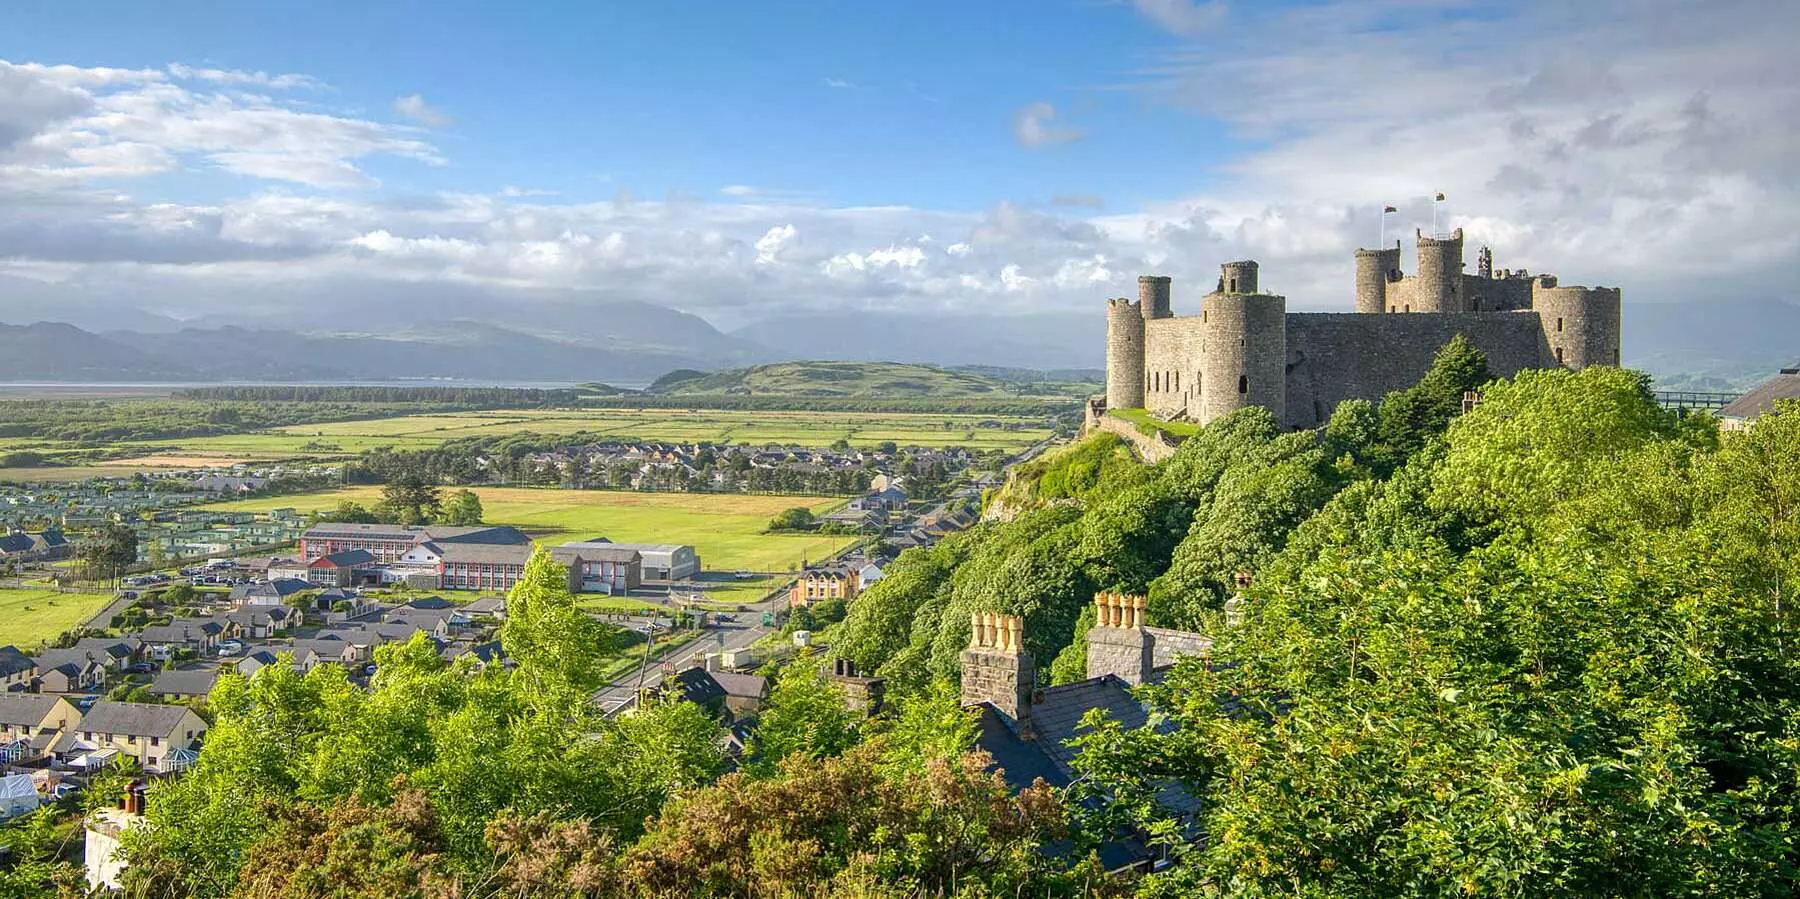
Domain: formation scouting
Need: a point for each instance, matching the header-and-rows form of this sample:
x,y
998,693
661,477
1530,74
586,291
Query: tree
x,y
798,518
109,550
350,512
1412,416
463,509
806,716
559,649
409,500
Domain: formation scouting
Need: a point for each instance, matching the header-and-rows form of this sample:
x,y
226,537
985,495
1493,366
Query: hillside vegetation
x,y
855,379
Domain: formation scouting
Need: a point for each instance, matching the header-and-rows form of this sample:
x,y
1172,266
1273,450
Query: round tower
x,y
1245,358
1238,277
1375,269
1153,295
1581,324
1439,283
1124,354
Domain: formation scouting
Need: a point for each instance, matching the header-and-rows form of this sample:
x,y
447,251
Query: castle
x,y
1246,349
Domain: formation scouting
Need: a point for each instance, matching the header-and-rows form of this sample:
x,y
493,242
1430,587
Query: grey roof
x,y
486,605
25,709
135,718
695,685
51,659
596,552
742,685
348,557
495,534
484,553
1762,397
431,602
12,661
186,681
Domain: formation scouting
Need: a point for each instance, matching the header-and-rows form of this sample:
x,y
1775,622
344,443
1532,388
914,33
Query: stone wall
x,y
1333,357
1172,352
1148,448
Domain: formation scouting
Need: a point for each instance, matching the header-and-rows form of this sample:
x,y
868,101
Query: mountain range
x,y
1713,345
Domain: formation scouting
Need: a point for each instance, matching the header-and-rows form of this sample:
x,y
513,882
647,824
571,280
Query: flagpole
x,y
1381,239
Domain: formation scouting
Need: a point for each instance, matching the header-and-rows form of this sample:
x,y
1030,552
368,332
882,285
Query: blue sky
x,y
746,160
852,103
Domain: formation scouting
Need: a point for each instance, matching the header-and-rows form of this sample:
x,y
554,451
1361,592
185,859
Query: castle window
x,y
1178,380
1244,384
1393,308
1559,354
1203,316
1559,326
1234,285
1409,307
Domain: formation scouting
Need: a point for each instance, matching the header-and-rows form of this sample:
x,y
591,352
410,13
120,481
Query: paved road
x,y
622,693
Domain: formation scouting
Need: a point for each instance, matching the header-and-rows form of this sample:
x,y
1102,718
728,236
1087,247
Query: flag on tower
x,y
1387,209
1440,197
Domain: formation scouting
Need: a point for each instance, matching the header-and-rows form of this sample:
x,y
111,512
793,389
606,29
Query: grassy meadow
x,y
725,529
30,617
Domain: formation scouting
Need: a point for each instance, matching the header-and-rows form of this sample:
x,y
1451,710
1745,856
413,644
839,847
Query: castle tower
x,y
996,668
1124,354
1438,287
1238,277
1117,644
1375,270
1244,356
1581,324
1153,296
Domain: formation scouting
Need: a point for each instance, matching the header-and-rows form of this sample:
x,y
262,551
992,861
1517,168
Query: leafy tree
x,y
806,716
798,518
463,509
409,500
109,550
350,512
1411,417
350,849
559,649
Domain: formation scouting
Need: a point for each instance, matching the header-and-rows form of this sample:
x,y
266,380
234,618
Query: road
x,y
622,693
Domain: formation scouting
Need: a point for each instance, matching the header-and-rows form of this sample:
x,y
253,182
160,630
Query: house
x,y
487,607
342,569
818,584
220,483
1742,412
273,592
258,622
161,738
601,567
443,624
48,546
661,561
860,518
1028,730
868,574
744,693
115,653
30,724
18,796
184,684
484,654
251,663
17,670
79,674
198,634
390,542
335,650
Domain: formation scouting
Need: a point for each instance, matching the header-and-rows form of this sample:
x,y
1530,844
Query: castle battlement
x,y
1246,349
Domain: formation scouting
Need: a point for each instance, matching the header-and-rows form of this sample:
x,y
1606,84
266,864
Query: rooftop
x,y
133,718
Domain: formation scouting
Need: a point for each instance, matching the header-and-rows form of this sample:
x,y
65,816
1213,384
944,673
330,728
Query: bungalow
x,y
199,635
16,669
487,607
258,622
273,592
248,665
115,653
30,724
309,654
75,675
161,738
184,684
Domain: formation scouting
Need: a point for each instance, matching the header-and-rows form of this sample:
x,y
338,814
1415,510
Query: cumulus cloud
x,y
1035,126
414,107
842,84
1612,147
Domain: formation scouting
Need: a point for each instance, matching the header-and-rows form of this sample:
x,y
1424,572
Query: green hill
x,y
854,379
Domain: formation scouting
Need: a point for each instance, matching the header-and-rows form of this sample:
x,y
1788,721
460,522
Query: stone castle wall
x,y
1148,448
1335,356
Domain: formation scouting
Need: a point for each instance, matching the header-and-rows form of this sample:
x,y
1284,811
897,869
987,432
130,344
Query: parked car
x,y
86,702
141,668
230,648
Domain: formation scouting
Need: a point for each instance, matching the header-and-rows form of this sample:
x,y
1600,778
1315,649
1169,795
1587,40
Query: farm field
x,y
30,617
755,427
725,529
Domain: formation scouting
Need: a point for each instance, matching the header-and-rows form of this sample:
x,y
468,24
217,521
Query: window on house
x,y
1243,385
156,741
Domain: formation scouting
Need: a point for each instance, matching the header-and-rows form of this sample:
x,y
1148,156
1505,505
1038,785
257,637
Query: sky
x,y
744,161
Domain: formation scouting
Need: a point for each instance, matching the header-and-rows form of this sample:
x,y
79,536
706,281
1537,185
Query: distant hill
x,y
844,379
1720,344
1054,340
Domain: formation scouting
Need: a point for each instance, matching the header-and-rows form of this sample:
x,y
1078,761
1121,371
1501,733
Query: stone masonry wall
x,y
1148,448
1172,348
1333,357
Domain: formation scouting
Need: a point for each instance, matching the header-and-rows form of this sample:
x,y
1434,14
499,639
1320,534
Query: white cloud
x,y
840,84
768,247
1186,18
739,190
1035,126
234,76
414,107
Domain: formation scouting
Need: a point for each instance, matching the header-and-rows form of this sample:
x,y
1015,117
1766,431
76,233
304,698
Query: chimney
x,y
997,669
1234,607
1117,644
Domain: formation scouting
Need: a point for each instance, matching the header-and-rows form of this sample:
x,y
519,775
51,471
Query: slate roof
x,y
349,558
12,661
695,685
25,709
487,605
135,718
431,602
742,685
483,553
596,552
1762,397
185,682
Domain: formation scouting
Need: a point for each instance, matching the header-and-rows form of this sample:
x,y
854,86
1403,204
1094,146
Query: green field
x,y
30,617
678,425
725,529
